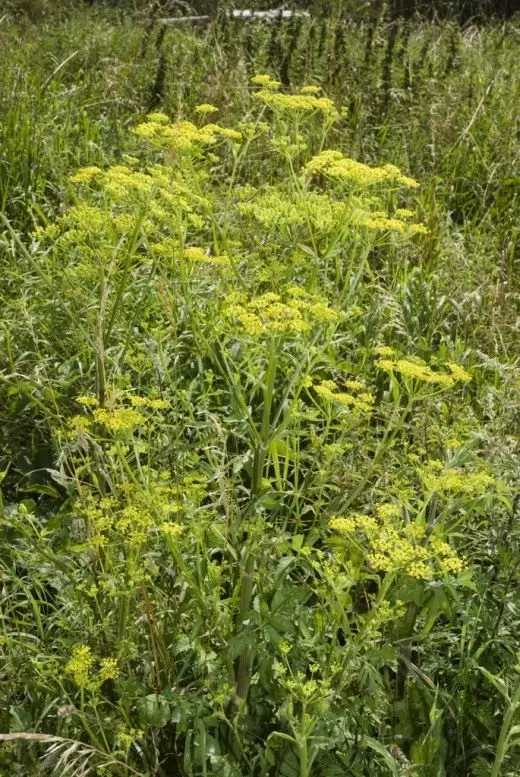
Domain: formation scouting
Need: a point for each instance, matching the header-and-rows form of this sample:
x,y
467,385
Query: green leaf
x,y
496,681
153,710
377,747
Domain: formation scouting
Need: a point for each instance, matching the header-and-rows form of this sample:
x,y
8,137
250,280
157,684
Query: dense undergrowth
x,y
260,390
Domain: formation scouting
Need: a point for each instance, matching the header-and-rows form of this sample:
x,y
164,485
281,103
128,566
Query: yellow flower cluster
x,y
199,255
120,181
161,189
206,108
384,350
417,370
169,247
184,135
137,513
126,737
359,398
390,551
274,207
86,174
272,314
134,522
380,613
392,546
459,374
297,103
224,132
115,419
86,217
437,478
81,664
348,526
172,530
158,118
153,404
387,511
49,232
306,689
88,400
108,669
119,419
452,443
265,80
334,164
380,221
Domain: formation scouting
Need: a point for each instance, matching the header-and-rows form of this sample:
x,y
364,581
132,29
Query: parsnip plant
x,y
266,500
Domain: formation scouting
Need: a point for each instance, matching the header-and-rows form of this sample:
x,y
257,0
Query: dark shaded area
x,y
465,10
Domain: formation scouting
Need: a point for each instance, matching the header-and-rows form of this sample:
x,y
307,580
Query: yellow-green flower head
x,y
271,313
86,174
123,183
455,481
199,255
78,424
120,419
415,531
275,207
86,217
108,669
223,132
388,511
181,135
297,103
452,443
354,385
334,164
153,404
172,530
80,665
381,223
265,80
50,231
392,546
206,108
416,371
310,89
158,118
384,350
328,390
347,526
87,400
459,373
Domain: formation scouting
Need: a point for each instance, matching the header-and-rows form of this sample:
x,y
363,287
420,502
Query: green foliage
x,y
260,391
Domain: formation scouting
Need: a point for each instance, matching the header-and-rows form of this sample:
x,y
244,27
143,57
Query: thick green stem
x,y
245,666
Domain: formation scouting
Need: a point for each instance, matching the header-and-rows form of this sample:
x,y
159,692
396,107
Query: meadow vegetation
x,y
260,398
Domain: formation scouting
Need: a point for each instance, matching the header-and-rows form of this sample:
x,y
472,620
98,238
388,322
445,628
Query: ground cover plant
x,y
259,390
